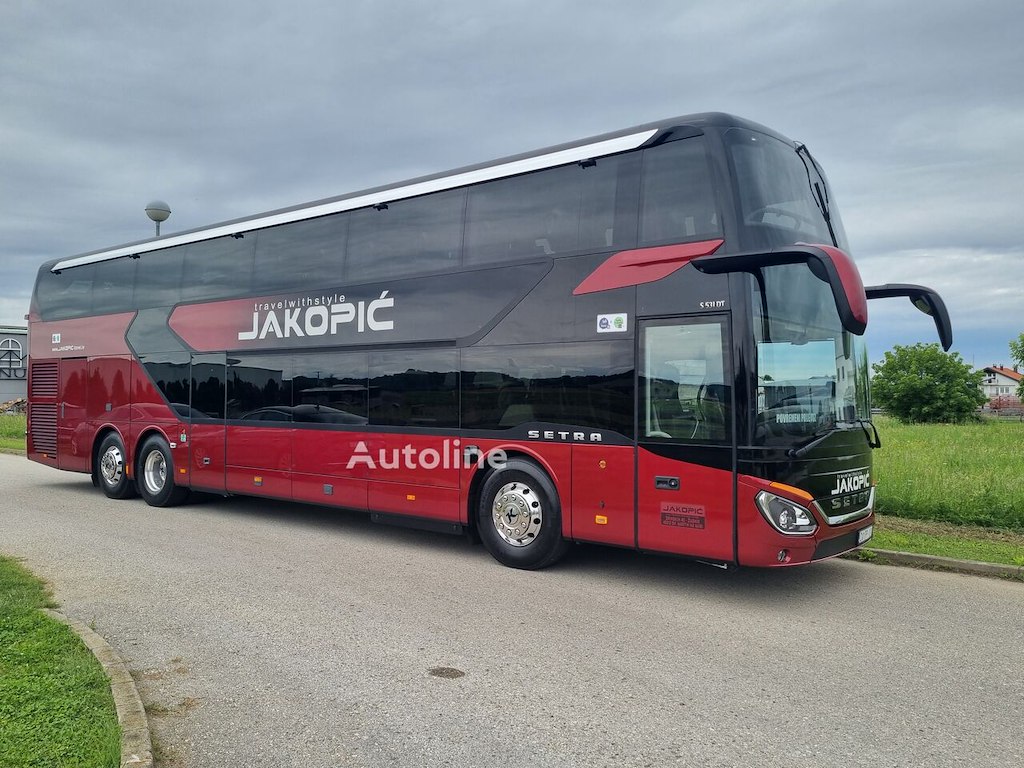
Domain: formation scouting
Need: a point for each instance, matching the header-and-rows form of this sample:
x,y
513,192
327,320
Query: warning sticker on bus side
x,y
676,515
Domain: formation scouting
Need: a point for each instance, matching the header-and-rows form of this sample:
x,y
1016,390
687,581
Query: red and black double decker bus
x,y
649,339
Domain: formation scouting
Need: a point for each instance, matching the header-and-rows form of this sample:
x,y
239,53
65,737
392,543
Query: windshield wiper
x,y
802,450
874,441
818,192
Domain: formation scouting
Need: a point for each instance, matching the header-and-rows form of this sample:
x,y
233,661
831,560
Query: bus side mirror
x,y
828,264
925,299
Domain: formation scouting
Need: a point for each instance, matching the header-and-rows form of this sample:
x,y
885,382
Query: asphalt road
x,y
271,634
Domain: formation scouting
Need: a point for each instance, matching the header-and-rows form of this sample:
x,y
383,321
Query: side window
x,y
307,387
207,387
158,278
676,197
414,388
303,253
113,283
407,237
609,202
531,215
330,387
685,394
68,294
259,387
171,375
217,269
586,384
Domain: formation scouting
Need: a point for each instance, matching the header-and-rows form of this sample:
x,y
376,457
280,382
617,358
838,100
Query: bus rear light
x,y
786,516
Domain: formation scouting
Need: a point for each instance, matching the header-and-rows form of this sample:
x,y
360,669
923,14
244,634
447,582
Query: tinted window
x,y
257,383
303,253
112,287
158,278
330,387
406,237
216,269
414,388
207,386
677,199
170,374
68,294
584,384
608,203
531,215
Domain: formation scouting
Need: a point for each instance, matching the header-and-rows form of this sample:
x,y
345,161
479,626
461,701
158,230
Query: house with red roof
x,y
1001,383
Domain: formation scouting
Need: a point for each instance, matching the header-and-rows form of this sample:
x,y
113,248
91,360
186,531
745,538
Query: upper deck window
x,y
677,198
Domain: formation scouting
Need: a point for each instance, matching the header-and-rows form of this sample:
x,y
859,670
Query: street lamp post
x,y
158,211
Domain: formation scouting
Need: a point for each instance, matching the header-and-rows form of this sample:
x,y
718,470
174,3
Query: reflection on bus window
x,y
587,384
811,373
685,395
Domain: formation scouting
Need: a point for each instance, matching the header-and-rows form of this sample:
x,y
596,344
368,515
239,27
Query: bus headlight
x,y
786,516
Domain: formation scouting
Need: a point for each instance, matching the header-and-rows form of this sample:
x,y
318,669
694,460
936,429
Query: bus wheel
x,y
519,518
155,475
111,470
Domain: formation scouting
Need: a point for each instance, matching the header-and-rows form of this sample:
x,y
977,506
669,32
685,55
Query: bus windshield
x,y
784,197
812,376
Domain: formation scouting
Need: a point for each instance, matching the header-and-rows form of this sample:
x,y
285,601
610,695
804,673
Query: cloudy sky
x,y
915,109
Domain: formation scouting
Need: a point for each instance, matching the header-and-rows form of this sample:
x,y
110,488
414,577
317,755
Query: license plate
x,y
864,534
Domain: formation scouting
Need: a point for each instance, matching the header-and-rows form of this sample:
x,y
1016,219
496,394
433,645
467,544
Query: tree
x,y
921,383
1017,353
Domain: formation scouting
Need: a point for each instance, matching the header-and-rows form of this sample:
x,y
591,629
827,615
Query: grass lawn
x,y
56,708
12,434
965,474
926,537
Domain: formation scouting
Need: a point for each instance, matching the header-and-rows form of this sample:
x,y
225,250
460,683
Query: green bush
x,y
923,384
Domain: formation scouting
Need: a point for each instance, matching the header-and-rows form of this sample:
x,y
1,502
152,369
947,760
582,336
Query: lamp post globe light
x,y
158,211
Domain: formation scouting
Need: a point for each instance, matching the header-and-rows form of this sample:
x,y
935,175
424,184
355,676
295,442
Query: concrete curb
x,y
136,744
947,564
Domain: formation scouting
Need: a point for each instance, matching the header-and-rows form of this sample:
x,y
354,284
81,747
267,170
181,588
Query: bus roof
x,y
561,154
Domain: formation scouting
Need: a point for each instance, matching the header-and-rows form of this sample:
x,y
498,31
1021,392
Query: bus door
x,y
73,445
206,415
685,460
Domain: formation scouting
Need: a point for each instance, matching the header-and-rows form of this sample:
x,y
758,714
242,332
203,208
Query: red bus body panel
x,y
604,494
695,519
360,470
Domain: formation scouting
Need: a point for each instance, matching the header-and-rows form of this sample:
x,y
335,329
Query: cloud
x,y
916,117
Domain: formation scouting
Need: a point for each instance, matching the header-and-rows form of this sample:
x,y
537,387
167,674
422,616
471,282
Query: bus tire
x,y
111,469
155,475
519,518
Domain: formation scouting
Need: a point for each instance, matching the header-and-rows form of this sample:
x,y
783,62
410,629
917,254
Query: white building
x,y
13,362
1001,382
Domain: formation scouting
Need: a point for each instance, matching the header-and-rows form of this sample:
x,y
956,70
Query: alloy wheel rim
x,y
155,472
517,514
112,465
